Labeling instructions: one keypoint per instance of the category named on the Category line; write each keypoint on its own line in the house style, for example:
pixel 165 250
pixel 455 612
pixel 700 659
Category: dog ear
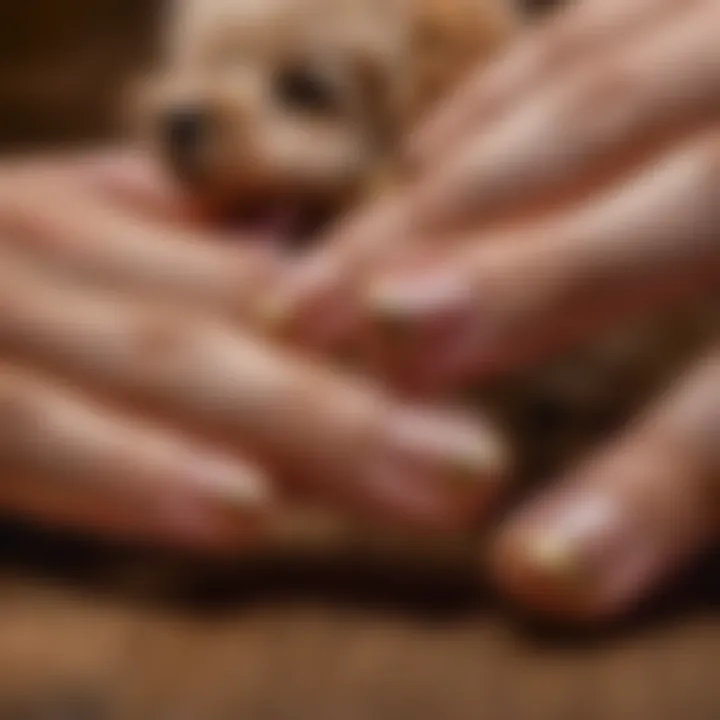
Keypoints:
pixel 443 40
pixel 450 37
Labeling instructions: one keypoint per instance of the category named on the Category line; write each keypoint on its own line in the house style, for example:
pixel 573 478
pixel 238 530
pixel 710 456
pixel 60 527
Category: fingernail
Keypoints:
pixel 563 563
pixel 316 303
pixel 402 299
pixel 431 467
pixel 229 481
pixel 393 319
pixel 585 558
pixel 466 455
pixel 487 456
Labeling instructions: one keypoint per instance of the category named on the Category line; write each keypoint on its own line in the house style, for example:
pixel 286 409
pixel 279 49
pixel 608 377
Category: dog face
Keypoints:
pixel 271 102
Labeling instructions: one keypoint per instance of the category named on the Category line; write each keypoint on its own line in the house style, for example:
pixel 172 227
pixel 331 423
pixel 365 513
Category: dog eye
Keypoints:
pixel 306 89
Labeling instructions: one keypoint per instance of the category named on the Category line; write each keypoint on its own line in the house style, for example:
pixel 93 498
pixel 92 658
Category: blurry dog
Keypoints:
pixel 286 110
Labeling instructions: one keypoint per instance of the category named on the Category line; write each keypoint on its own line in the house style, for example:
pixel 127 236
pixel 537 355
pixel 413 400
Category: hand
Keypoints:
pixel 133 404
pixel 573 183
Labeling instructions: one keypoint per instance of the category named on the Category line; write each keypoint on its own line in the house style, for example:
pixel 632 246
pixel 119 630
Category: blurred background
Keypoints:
pixel 89 632
pixel 65 65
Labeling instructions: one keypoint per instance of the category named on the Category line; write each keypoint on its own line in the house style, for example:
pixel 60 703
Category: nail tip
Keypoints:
pixel 489 457
pixel 246 502
pixel 477 469
pixel 382 304
pixel 559 565
pixel 245 490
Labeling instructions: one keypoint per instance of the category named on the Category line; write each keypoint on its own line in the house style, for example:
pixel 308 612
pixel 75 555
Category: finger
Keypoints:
pixel 624 521
pixel 74 231
pixel 170 521
pixel 314 302
pixel 587 127
pixel 609 116
pixel 514 297
pixel 546 51
pixel 124 175
pixel 65 458
pixel 136 180
pixel 345 441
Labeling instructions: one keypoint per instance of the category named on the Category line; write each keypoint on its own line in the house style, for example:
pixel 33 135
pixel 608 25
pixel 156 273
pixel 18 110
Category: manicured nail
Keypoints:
pixel 585 557
pixel 465 454
pixel 228 481
pixel 487 455
pixel 562 563
pixel 403 299
pixel 392 319
pixel 433 468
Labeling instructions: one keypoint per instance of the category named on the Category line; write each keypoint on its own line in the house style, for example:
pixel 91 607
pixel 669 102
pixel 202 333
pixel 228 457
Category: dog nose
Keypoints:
pixel 184 130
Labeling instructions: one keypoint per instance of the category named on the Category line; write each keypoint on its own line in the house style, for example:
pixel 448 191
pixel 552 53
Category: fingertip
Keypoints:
pixel 547 575
pixel 466 460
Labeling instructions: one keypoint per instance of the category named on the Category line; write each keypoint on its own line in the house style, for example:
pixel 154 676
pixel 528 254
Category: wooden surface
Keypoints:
pixel 95 634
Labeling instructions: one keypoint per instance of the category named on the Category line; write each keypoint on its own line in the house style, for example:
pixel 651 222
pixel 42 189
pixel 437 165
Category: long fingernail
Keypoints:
pixel 468 456
pixel 313 304
pixel 432 468
pixel 231 482
pixel 392 319
pixel 435 323
pixel 588 557
pixel 402 299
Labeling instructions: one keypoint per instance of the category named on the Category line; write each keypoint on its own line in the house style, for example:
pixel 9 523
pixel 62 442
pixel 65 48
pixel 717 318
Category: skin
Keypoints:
pixel 135 405
pixel 571 184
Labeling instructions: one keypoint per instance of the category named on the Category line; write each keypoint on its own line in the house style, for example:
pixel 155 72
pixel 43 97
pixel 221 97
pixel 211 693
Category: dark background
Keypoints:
pixel 66 65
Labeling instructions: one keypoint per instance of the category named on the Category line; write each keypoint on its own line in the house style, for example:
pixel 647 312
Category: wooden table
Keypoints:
pixel 88 633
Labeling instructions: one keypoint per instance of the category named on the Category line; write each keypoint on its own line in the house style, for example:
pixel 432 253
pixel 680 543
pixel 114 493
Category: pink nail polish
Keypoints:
pixel 227 482
pixel 421 295
pixel 593 555
pixel 436 321
pixel 463 461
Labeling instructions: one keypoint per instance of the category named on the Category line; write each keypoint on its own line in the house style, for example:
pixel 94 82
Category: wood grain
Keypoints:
pixel 92 633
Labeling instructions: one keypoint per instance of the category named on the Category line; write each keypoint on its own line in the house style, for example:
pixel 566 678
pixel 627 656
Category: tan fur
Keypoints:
pixel 388 60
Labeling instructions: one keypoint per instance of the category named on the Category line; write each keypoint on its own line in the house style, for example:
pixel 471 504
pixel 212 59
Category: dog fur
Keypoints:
pixel 308 99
